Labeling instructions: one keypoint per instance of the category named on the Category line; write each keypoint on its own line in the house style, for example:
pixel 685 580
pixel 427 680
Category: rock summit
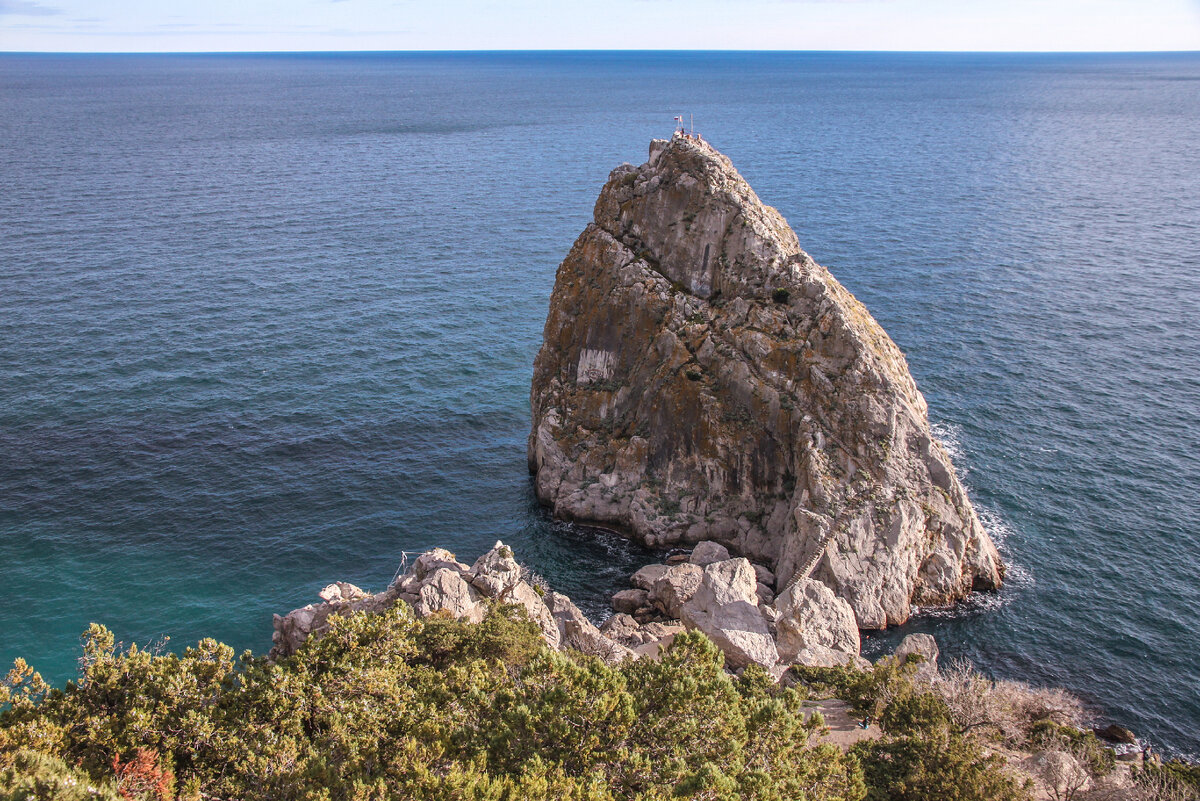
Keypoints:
pixel 702 378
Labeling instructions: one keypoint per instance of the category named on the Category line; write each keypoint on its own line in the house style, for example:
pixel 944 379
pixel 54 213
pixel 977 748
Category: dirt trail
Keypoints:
pixel 844 730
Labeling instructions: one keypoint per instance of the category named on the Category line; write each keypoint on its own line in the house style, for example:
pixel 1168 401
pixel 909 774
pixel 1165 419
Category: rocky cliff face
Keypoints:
pixel 702 378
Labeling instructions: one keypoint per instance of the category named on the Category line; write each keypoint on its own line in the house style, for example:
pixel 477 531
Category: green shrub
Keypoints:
pixel 1171 781
pixel 28 775
pixel 1186 774
pixel 781 295
pixel 922 755
pixel 924 768
pixel 825 682
pixel 1096 757
pixel 914 713
pixel 385 706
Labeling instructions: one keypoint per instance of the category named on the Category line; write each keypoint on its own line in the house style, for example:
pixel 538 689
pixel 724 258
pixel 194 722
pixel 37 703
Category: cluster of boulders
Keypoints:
pixel 728 599
pixel 437 582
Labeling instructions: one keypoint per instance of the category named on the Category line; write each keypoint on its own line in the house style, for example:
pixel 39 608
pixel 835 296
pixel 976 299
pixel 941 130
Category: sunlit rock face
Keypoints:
pixel 702 378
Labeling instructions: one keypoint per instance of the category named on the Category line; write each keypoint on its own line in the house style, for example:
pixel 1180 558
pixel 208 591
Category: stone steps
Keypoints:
pixel 808 567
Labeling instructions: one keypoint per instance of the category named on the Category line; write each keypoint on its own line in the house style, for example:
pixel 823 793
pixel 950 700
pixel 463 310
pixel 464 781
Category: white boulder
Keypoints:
pixel 725 608
pixel 812 617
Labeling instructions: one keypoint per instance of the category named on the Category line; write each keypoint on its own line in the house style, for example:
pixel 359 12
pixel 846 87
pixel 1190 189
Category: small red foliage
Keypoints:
pixel 143 778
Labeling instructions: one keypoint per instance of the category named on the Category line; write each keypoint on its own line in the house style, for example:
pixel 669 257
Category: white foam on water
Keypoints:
pixel 1016 575
pixel 950 435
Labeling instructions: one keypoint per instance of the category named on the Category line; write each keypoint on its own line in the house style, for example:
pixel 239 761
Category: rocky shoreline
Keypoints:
pixel 728 600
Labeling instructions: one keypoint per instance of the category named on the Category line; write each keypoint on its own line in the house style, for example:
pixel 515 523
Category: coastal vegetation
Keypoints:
pixel 388 706
pixel 385 705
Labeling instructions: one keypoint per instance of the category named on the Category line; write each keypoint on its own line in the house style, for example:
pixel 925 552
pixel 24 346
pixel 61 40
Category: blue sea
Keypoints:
pixel 268 321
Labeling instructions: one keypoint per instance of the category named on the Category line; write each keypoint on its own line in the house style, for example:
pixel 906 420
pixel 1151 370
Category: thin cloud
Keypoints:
pixel 27 8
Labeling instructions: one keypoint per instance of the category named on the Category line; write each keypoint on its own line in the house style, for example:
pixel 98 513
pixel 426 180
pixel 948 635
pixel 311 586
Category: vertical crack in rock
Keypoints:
pixel 702 378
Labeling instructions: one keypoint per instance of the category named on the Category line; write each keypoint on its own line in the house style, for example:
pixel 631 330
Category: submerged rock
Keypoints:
pixel 1116 734
pixel 702 378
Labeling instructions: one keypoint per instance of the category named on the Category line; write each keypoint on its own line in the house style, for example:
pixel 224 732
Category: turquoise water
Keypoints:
pixel 269 321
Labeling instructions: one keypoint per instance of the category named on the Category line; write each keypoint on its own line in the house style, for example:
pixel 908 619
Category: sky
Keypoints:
pixel 291 25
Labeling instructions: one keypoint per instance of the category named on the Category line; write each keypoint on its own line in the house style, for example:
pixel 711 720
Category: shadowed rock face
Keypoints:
pixel 702 378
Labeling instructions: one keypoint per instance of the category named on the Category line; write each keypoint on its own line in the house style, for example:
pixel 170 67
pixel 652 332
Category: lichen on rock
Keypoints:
pixel 702 378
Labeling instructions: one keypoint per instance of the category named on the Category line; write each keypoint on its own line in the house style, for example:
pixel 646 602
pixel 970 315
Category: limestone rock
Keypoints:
pixel 434 582
pixel 725 608
pixel 341 591
pixel 764 593
pixel 435 559
pixel 624 629
pixel 820 656
pixel 526 596
pixel 674 587
pixel 653 649
pixel 496 571
pixel 657 630
pixel 925 646
pixel 644 579
pixel 445 590
pixel 812 617
pixel 707 552
pixel 579 633
pixel 292 629
pixel 726 582
pixel 629 601
pixel 702 378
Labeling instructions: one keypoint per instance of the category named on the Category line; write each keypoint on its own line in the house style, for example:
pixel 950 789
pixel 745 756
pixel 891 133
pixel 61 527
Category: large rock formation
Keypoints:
pixel 703 378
